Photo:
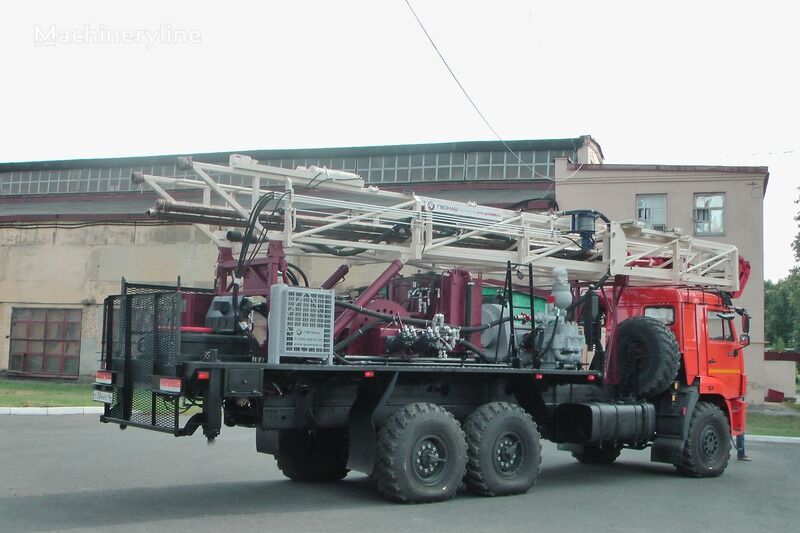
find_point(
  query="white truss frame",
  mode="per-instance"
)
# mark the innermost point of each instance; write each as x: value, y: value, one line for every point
x: 335, y: 200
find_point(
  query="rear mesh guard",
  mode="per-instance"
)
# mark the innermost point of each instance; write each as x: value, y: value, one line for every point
x: 142, y: 340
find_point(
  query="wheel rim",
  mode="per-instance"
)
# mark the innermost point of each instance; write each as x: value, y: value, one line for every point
x: 709, y: 443
x: 429, y: 457
x: 508, y: 454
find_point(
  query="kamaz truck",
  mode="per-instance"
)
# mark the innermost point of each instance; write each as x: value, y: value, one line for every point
x: 421, y: 378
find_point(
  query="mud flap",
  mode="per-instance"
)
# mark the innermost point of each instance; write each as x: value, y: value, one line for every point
x: 672, y: 425
x: 363, y: 434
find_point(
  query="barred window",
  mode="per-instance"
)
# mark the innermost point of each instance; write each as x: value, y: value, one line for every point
x: 45, y: 341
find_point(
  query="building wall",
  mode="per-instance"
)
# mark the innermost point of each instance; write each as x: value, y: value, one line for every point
x: 78, y: 268
x: 613, y: 191
x: 780, y: 375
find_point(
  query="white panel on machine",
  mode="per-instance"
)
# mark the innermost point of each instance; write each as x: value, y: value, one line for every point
x: 300, y: 323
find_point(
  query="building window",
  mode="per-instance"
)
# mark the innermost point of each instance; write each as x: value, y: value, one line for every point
x: 45, y: 342
x: 652, y: 210
x: 709, y: 214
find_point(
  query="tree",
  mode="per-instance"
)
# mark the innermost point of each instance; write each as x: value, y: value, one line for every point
x: 782, y: 304
x: 796, y: 242
x: 780, y: 315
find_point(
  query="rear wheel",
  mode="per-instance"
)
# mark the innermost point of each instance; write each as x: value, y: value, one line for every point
x: 503, y: 450
x: 313, y: 455
x: 594, y: 454
x: 421, y: 455
x: 708, y: 446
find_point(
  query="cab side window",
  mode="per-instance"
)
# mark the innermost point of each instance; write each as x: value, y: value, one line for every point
x: 719, y: 329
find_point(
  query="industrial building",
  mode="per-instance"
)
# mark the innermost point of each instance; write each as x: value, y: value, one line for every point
x: 70, y: 230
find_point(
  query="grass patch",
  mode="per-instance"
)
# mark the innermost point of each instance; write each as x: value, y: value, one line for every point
x: 32, y: 393
x: 775, y: 425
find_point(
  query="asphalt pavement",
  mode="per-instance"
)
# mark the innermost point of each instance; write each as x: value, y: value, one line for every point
x: 72, y: 473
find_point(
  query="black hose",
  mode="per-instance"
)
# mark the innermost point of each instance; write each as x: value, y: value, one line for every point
x: 417, y: 361
x: 357, y: 334
x: 474, y: 349
x: 247, y: 237
x: 592, y: 288
x: 342, y: 359
x: 254, y: 346
x: 484, y: 327
x: 299, y: 271
x: 418, y: 321
x: 338, y: 252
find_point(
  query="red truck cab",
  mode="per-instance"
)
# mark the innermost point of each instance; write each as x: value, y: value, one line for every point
x: 703, y: 324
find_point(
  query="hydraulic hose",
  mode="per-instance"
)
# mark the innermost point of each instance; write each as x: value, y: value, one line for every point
x: 474, y: 349
x: 419, y: 321
x: 299, y: 271
x: 356, y: 335
x: 593, y: 287
x: 254, y: 346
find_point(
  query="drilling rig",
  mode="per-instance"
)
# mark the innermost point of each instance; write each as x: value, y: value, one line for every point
x: 488, y: 330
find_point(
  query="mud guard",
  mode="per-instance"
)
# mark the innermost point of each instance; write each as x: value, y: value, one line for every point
x: 362, y: 423
x: 672, y: 425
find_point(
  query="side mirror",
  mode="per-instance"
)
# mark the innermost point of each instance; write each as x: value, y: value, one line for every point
x: 744, y: 339
x: 746, y: 325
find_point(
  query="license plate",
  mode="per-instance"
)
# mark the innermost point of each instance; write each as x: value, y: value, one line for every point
x: 102, y: 396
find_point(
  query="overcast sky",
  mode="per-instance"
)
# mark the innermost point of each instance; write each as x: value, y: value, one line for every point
x: 674, y: 82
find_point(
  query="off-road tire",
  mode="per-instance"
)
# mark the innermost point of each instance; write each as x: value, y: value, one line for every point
x: 594, y: 454
x: 421, y: 455
x: 504, y: 454
x: 708, y: 445
x: 313, y: 455
x: 648, y: 355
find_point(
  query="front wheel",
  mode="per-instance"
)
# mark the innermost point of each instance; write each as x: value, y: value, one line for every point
x: 708, y: 446
x: 504, y: 452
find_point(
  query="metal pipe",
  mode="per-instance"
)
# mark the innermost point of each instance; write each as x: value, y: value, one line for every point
x: 173, y: 207
x: 196, y: 219
x: 343, y: 320
x: 337, y: 276
x: 530, y: 285
x: 468, y: 303
x: 512, y: 333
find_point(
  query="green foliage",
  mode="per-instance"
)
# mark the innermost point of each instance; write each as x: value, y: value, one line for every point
x: 782, y: 312
x: 796, y: 242
x: 782, y: 306
x: 29, y: 393
x: 775, y: 425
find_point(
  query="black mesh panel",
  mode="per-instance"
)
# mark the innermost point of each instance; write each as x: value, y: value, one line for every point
x: 144, y: 342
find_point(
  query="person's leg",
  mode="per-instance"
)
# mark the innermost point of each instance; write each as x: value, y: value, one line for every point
x: 740, y: 454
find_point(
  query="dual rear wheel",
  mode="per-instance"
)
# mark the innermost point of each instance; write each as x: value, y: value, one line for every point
x: 423, y: 453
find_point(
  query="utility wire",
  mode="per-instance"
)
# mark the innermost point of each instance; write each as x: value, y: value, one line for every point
x: 480, y: 113
x: 466, y: 94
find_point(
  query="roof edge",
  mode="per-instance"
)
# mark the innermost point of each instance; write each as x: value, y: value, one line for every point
x: 338, y: 151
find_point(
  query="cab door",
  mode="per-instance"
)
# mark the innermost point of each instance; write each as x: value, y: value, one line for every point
x: 723, y: 353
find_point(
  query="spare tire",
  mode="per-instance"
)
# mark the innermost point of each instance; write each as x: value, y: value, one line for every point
x: 648, y: 356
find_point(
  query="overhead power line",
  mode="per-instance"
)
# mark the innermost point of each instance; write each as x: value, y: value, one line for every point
x: 477, y: 109
x: 466, y: 94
